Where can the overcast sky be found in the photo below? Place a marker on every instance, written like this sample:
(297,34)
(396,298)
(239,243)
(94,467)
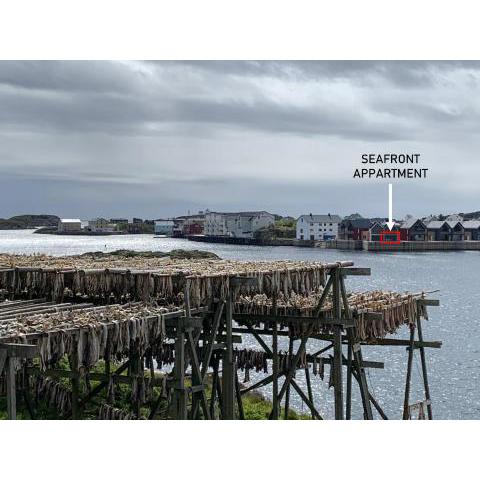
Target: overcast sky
(155,139)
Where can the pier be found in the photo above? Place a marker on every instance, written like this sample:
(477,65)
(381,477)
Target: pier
(72,330)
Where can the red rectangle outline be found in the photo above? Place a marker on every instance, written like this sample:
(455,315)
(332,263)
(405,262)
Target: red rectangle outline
(390,242)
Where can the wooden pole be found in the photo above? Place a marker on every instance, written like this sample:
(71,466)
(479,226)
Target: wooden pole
(337,347)
(406,400)
(228,377)
(287,394)
(348,414)
(75,381)
(424,369)
(11,389)
(180,397)
(309,391)
(238,395)
(275,406)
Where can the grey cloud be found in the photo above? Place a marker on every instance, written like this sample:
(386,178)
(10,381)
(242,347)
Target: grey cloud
(166,136)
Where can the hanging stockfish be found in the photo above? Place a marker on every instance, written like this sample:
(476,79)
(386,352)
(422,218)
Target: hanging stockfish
(331,378)
(89,334)
(53,393)
(107,412)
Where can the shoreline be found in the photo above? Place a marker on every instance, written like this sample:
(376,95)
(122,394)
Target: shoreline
(358,245)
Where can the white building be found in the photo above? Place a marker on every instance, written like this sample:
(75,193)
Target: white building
(318,227)
(236,224)
(66,225)
(164,227)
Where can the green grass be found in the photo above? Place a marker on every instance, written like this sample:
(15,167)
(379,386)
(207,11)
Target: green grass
(255,406)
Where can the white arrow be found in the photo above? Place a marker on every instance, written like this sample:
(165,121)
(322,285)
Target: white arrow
(390,222)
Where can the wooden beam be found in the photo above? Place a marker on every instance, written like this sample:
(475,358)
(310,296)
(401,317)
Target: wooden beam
(19,350)
(429,302)
(355,271)
(254,318)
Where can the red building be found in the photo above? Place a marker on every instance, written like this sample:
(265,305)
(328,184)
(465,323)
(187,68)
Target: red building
(356,229)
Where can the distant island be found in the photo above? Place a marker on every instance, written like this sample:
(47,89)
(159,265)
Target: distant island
(23,222)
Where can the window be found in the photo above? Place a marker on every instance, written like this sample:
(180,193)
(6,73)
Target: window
(301,230)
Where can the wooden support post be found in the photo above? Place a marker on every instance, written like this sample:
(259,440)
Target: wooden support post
(306,400)
(238,395)
(309,391)
(348,413)
(197,380)
(275,363)
(11,389)
(214,387)
(287,394)
(228,374)
(337,347)
(424,369)
(180,397)
(75,382)
(410,349)
(292,368)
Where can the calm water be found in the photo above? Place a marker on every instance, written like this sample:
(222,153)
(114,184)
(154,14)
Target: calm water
(454,370)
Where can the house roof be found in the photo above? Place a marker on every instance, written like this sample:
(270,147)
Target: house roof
(471,224)
(410,222)
(453,223)
(322,218)
(435,224)
(70,220)
(359,223)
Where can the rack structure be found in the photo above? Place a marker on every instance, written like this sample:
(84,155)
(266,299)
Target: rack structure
(202,324)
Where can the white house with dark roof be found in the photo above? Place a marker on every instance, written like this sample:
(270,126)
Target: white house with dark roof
(318,227)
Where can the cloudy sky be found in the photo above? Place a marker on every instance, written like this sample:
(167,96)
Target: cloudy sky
(155,139)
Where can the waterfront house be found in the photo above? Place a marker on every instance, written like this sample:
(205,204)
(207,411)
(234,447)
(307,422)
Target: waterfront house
(236,224)
(413,230)
(472,229)
(375,230)
(355,229)
(317,227)
(67,225)
(445,231)
(101,225)
(164,227)
(189,224)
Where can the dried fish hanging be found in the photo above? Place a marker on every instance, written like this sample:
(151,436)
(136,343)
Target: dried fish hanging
(395,309)
(91,334)
(53,393)
(107,412)
(246,359)
(146,278)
